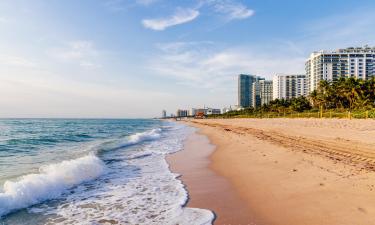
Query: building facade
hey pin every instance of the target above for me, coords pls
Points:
(289, 86)
(332, 65)
(248, 90)
(212, 111)
(205, 111)
(265, 91)
(182, 113)
(164, 114)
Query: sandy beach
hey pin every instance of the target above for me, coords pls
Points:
(281, 171)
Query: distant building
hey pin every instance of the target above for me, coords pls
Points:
(246, 90)
(164, 114)
(289, 86)
(251, 89)
(265, 91)
(227, 109)
(211, 111)
(182, 113)
(331, 65)
(205, 111)
(195, 111)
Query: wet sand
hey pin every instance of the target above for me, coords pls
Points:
(283, 171)
(206, 188)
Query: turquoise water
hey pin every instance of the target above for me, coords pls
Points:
(83, 171)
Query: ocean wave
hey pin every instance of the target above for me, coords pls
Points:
(133, 139)
(51, 181)
(145, 136)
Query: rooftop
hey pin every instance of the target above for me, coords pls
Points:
(365, 49)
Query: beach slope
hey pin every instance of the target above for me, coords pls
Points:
(291, 171)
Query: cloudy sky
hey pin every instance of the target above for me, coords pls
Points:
(133, 58)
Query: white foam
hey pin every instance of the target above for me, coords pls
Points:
(51, 181)
(134, 139)
(138, 188)
(145, 136)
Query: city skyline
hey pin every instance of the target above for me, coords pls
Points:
(115, 58)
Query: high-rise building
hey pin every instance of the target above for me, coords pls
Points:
(289, 86)
(332, 65)
(248, 93)
(182, 113)
(265, 91)
(164, 114)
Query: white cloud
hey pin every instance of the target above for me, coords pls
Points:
(208, 66)
(181, 16)
(82, 52)
(230, 9)
(233, 10)
(3, 20)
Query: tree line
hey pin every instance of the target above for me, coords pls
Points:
(344, 94)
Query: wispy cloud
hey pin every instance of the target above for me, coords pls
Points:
(231, 9)
(181, 16)
(209, 66)
(82, 52)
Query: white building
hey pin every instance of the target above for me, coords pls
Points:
(331, 65)
(212, 111)
(206, 111)
(265, 91)
(289, 86)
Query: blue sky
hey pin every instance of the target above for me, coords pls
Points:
(133, 58)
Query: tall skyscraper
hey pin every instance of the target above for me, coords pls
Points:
(245, 84)
(164, 114)
(289, 86)
(246, 89)
(331, 65)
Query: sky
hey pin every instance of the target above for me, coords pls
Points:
(134, 58)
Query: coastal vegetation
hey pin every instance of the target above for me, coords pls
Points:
(342, 98)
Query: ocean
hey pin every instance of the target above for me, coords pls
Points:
(92, 171)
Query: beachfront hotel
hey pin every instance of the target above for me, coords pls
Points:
(332, 65)
(287, 86)
(265, 91)
(248, 90)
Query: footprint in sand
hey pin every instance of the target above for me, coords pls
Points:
(362, 210)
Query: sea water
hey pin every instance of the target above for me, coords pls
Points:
(73, 171)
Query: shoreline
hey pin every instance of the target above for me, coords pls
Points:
(204, 185)
(291, 171)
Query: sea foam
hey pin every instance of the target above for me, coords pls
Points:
(133, 139)
(145, 136)
(51, 181)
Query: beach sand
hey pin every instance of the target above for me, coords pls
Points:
(206, 188)
(282, 171)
